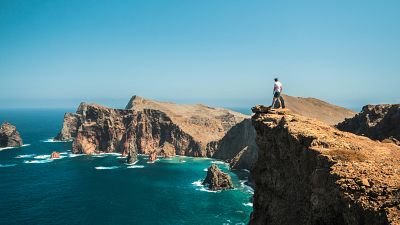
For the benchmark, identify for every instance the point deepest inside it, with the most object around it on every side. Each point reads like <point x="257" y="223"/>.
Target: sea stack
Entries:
<point x="217" y="180"/>
<point x="309" y="172"/>
<point x="9" y="136"/>
<point x="55" y="155"/>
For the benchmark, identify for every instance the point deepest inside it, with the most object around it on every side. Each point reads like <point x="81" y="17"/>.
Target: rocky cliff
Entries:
<point x="9" y="136"/>
<point x="378" y="122"/>
<point x="308" y="172"/>
<point x="147" y="126"/>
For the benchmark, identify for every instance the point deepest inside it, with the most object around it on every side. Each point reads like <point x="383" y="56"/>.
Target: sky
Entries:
<point x="56" y="54"/>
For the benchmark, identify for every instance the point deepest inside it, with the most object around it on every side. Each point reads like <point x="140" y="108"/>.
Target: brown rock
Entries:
<point x="153" y="157"/>
<point x="217" y="180"/>
<point x="378" y="122"/>
<point x="308" y="172"/>
<point x="9" y="136"/>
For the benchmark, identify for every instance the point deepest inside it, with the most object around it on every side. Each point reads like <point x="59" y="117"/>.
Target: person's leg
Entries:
<point x="282" y="101"/>
<point x="273" y="103"/>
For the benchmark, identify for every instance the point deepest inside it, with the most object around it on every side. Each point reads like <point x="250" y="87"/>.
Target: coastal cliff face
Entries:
<point x="9" y="136"/>
<point x="308" y="172"/>
<point x="147" y="126"/>
<point x="378" y="122"/>
<point x="238" y="146"/>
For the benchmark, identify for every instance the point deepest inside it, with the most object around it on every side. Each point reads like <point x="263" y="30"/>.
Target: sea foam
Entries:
<point x="39" y="161"/>
<point x="106" y="167"/>
<point x="7" y="165"/>
<point x="25" y="156"/>
<point x="135" y="166"/>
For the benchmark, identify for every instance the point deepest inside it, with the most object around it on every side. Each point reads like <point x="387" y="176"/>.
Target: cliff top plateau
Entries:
<point x="311" y="173"/>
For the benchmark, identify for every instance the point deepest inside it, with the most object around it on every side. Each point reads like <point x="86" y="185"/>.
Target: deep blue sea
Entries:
<point x="102" y="189"/>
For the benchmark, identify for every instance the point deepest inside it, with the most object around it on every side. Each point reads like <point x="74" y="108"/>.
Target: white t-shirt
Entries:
<point x="277" y="87"/>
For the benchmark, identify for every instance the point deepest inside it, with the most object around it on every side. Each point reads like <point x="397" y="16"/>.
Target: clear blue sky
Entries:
<point x="223" y="53"/>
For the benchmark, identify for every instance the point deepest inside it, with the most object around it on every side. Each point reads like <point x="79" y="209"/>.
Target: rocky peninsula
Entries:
<point x="309" y="172"/>
<point x="9" y="136"/>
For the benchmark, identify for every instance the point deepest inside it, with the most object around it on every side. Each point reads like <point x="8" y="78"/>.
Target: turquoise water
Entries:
<point x="102" y="189"/>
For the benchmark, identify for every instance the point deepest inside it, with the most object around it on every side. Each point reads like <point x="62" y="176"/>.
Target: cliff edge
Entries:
<point x="9" y="136"/>
<point x="308" y="172"/>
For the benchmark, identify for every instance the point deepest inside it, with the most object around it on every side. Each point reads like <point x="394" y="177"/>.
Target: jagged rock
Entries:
<point x="132" y="156"/>
<point x="238" y="147"/>
<point x="378" y="122"/>
<point x="9" y="136"/>
<point x="55" y="155"/>
<point x="148" y="126"/>
<point x="308" y="172"/>
<point x="153" y="157"/>
<point x="217" y="180"/>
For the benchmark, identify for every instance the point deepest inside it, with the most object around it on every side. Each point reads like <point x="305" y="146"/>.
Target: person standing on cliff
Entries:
<point x="278" y="87"/>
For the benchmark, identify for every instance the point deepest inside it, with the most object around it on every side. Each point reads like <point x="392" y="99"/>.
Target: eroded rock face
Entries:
<point x="153" y="157"/>
<point x="164" y="128"/>
<point x="308" y="172"/>
<point x="378" y="122"/>
<point x="9" y="136"/>
<point x="217" y="180"/>
<point x="238" y="146"/>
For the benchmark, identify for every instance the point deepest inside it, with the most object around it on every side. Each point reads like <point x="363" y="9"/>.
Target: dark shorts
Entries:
<point x="277" y="94"/>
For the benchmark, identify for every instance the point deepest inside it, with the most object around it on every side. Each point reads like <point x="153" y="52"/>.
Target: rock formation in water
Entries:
<point x="308" y="172"/>
<point x="153" y="157"/>
<point x="55" y="155"/>
<point x="9" y="136"/>
<point x="378" y="122"/>
<point x="217" y="180"/>
<point x="146" y="126"/>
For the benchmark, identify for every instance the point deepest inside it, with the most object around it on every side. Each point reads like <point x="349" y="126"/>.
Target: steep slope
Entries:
<point x="317" y="109"/>
<point x="378" y="122"/>
<point x="308" y="172"/>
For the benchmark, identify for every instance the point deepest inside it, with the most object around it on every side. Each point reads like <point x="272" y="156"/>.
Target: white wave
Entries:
<point x="205" y="169"/>
<point x="71" y="155"/>
<point x="183" y="161"/>
<point x="198" y="183"/>
<point x="106" y="167"/>
<point x="14" y="147"/>
<point x="135" y="166"/>
<point x="39" y="161"/>
<point x="64" y="153"/>
<point x="98" y="156"/>
<point x="25" y="156"/>
<point x="121" y="157"/>
<point x="52" y="140"/>
<point x="246" y="170"/>
<point x="219" y="162"/>
<point x="42" y="157"/>
<point x="153" y="161"/>
<point x="130" y="164"/>
<point x="248" y="204"/>
<point x="7" y="165"/>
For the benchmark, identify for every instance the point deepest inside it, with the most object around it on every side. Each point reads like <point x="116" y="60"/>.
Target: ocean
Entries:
<point x="102" y="189"/>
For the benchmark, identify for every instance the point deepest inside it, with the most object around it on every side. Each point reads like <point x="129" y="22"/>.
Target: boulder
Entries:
<point x="217" y="180"/>
<point x="55" y="155"/>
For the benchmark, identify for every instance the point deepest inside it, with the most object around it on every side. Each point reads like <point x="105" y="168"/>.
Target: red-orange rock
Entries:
<point x="55" y="155"/>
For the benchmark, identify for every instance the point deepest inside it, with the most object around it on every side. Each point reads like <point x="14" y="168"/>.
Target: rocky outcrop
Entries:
<point x="308" y="172"/>
<point x="217" y="180"/>
<point x="148" y="126"/>
<point x="55" y="155"/>
<point x="238" y="146"/>
<point x="9" y="136"/>
<point x="378" y="122"/>
<point x="153" y="157"/>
